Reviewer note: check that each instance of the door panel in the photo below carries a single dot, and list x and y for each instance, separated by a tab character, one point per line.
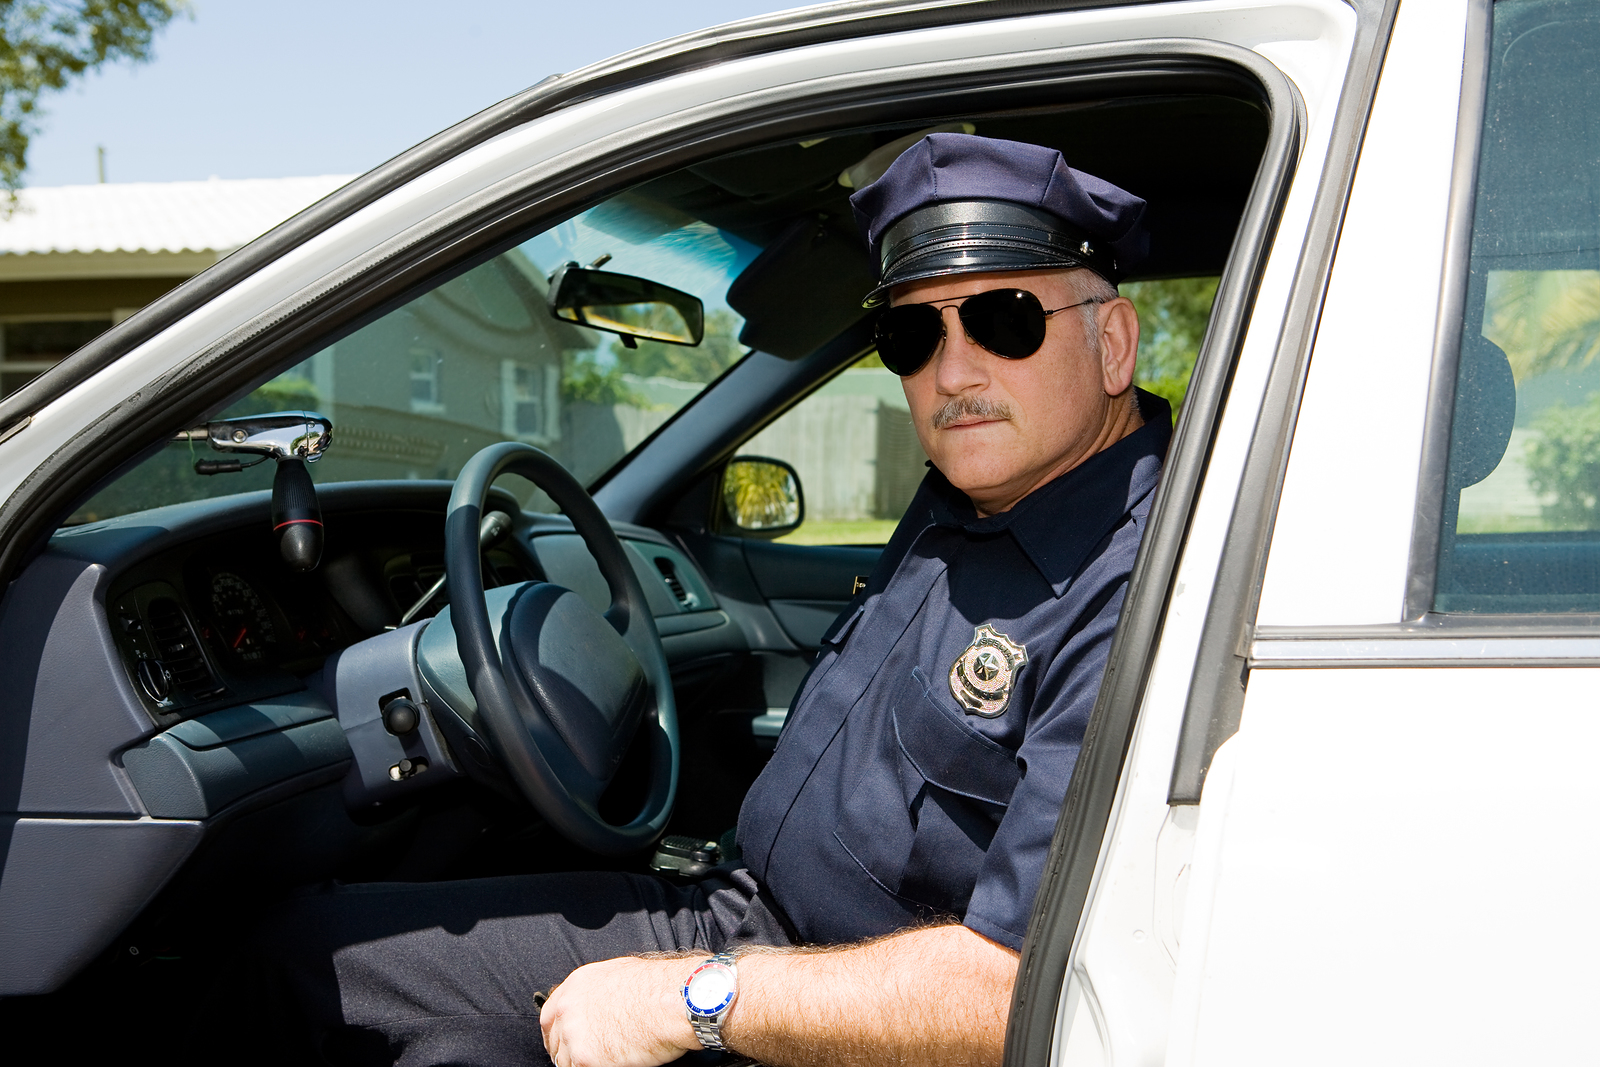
808	585
1395	866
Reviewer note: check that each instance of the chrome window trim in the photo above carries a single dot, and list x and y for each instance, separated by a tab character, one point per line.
1428	526
1394	647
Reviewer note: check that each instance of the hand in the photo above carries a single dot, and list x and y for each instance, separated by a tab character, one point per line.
619	1013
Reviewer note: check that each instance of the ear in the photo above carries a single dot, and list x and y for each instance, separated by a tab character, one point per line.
1119	344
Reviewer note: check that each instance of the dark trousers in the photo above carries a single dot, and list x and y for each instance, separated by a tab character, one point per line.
446	972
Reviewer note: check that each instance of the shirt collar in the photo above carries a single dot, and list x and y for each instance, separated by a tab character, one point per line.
1097	495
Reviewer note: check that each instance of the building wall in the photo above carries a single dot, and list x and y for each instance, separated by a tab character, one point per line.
43	321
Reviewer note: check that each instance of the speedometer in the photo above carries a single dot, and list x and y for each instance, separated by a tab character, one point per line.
244	624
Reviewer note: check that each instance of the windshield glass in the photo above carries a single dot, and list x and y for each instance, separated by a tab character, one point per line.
480	359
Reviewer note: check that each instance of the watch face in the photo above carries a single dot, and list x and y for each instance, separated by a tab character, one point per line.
710	989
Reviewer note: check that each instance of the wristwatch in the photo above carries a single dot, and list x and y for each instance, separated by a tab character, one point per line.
708	996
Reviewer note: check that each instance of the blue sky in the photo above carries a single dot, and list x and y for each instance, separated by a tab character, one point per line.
274	88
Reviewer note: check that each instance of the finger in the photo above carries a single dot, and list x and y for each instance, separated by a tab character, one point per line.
547	1024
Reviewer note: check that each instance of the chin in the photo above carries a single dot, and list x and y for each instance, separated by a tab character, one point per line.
973	482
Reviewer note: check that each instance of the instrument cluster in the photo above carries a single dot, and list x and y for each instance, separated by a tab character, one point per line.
220	620
212	631
247	624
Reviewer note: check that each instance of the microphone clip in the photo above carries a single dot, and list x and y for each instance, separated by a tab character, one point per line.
292	439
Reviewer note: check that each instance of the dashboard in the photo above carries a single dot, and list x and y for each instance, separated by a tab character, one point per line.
213	619
184	685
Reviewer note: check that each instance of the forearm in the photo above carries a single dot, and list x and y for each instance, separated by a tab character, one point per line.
936	996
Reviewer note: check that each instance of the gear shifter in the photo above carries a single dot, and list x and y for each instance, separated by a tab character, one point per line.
293	439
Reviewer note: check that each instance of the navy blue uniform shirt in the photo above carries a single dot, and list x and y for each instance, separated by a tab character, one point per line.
886	801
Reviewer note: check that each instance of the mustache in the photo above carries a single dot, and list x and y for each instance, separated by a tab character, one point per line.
961	407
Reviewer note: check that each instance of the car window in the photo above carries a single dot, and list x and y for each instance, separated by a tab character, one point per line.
480	359
856	452
1522	510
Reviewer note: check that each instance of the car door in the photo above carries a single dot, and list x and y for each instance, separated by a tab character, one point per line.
1368	795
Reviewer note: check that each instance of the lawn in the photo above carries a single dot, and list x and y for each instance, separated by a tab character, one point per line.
841	532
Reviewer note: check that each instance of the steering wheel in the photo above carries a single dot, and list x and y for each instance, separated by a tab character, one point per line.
561	689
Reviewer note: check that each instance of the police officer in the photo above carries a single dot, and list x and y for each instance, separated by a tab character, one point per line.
904	818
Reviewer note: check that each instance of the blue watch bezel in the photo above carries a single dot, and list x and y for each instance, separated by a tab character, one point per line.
710	1014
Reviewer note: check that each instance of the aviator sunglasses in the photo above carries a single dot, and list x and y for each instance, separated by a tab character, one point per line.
1008	322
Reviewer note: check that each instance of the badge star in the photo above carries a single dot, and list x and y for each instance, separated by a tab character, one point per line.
988	665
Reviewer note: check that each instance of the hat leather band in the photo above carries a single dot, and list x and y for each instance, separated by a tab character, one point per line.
984	237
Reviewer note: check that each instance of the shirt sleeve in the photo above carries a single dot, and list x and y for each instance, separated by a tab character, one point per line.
1002	899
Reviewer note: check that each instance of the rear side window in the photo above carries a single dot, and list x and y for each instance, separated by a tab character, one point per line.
1521	529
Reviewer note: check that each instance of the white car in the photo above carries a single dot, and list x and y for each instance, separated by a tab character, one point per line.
1333	805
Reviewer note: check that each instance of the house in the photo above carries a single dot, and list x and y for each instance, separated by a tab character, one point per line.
78	258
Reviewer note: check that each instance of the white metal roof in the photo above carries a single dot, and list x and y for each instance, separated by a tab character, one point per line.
143	227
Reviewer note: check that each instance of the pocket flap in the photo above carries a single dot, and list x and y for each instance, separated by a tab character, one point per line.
952	757
846	622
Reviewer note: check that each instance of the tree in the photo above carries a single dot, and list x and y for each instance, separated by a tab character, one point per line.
1172	319
1563	461
44	44
719	350
1544	320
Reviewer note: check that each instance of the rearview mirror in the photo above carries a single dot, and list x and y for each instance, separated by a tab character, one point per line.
625	305
762	496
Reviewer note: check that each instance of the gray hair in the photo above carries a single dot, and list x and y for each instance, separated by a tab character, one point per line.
1089	286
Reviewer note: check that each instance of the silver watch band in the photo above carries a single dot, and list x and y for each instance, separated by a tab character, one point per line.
709	1030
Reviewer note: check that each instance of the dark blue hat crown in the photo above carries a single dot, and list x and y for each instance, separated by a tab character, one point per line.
954	203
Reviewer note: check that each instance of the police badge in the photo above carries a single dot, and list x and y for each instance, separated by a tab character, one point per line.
981	677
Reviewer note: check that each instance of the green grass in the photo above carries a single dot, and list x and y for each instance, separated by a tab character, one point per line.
1476	524
841	532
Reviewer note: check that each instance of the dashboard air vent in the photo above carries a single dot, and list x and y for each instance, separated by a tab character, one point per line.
669	574
176	645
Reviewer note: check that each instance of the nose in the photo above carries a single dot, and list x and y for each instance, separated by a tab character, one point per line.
960	365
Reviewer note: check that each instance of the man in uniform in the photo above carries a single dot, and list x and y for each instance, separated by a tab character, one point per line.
893	845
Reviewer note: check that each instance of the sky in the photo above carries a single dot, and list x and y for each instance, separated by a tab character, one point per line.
280	88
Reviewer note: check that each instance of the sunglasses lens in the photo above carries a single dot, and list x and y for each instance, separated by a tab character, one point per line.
1008	322
907	335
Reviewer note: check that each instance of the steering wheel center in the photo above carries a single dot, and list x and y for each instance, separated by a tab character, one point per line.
579	671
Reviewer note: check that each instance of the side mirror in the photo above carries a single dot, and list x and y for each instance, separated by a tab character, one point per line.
762	497
625	305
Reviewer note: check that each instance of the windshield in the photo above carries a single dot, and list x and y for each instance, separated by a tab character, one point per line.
480	359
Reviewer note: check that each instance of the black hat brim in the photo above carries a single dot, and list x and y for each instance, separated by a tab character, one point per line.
978	237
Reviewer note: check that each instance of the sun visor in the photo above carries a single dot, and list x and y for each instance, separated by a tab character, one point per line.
804	289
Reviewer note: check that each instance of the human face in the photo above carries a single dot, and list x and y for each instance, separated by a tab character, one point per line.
999	428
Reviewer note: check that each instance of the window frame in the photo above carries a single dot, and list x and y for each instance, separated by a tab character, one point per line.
1427	531
1419	619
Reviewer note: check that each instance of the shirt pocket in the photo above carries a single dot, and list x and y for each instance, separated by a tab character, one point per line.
922	819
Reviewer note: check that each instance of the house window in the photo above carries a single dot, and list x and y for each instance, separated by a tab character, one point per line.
29	348
529	405
425	395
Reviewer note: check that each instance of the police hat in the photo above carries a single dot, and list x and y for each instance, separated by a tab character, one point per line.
957	204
